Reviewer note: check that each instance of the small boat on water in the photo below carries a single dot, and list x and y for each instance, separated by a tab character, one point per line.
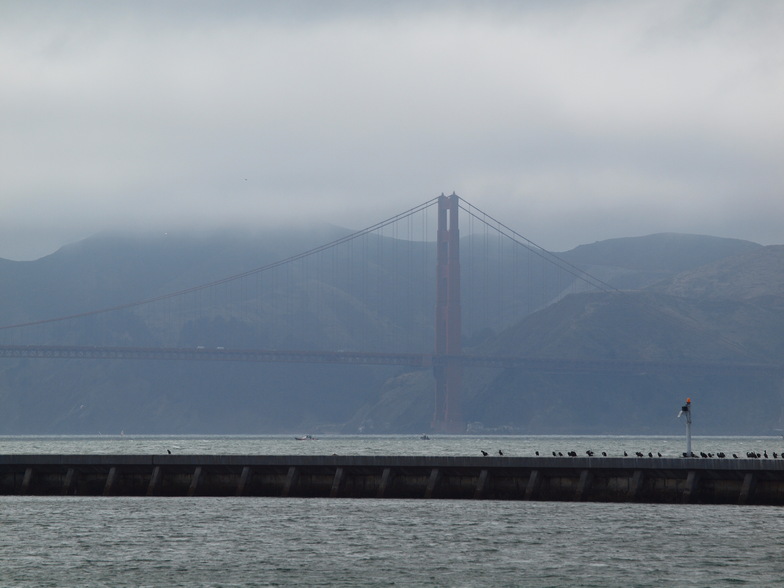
305	438
425	438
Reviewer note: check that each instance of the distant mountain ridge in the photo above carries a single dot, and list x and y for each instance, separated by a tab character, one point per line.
758	273
119	267
728	311
677	298
637	262
665	252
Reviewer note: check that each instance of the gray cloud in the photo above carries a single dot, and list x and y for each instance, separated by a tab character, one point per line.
572	122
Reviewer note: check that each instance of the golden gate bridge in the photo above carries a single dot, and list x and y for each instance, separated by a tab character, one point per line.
446	356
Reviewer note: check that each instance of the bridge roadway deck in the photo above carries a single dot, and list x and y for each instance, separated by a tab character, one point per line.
414	360
594	479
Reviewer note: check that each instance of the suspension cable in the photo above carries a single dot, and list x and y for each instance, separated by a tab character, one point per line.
234	277
538	250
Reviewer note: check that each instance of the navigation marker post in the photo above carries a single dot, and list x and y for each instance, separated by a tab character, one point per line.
686	409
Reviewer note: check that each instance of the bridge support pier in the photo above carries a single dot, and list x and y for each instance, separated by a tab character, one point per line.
448	372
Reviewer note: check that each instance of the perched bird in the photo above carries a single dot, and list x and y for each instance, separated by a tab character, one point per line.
735	455
484	452
168	451
537	453
625	454
500	452
659	454
604	454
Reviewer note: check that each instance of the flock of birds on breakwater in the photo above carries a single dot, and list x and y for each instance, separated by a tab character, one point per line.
701	454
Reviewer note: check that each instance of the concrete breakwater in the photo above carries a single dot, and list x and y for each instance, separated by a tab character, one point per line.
590	479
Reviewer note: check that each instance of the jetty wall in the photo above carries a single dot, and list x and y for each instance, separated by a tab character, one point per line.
590	479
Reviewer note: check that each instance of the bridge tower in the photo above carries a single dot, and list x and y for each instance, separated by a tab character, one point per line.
447	370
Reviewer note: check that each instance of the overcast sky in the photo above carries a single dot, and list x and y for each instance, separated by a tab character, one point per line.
571	122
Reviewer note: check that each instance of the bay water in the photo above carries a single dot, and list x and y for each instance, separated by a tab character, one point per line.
252	541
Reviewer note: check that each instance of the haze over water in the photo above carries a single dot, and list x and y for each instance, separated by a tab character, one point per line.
121	541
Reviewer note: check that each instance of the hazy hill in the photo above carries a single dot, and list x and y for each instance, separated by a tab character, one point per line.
758	273
637	262
663	252
680	317
115	268
157	397
729	310
624	326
